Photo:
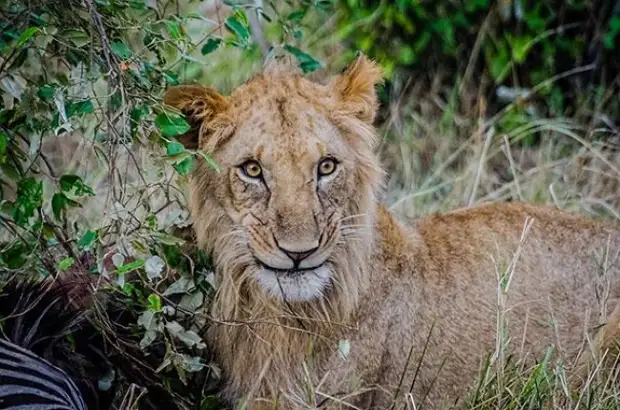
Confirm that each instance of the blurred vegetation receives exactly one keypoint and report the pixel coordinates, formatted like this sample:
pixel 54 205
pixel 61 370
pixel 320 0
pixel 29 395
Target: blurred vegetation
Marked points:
pixel 563 54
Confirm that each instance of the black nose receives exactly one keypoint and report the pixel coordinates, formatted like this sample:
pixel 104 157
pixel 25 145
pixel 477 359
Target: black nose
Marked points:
pixel 297 257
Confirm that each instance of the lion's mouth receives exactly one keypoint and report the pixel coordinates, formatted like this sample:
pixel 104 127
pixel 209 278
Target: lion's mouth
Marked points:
pixel 294 285
pixel 291 271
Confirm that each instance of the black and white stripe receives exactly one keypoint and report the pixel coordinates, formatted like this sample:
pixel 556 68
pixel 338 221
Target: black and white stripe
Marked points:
pixel 28 382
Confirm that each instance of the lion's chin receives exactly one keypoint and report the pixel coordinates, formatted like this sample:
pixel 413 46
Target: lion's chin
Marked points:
pixel 295 286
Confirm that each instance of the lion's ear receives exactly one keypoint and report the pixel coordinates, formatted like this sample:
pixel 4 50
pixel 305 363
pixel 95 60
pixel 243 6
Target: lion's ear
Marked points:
pixel 355 88
pixel 200 105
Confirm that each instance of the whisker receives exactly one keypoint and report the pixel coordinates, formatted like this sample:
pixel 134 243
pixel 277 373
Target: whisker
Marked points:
pixel 353 236
pixel 345 218
pixel 342 227
pixel 233 233
pixel 354 231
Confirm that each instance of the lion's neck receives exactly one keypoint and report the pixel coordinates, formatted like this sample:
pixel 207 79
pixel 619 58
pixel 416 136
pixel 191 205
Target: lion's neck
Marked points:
pixel 255 334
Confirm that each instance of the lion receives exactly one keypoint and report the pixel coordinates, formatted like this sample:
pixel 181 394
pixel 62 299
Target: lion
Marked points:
pixel 325 299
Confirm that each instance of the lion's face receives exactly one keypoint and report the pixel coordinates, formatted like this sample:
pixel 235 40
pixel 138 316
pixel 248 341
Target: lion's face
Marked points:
pixel 294 179
pixel 290 175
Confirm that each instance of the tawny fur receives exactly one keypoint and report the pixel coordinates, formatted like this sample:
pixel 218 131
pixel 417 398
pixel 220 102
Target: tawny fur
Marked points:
pixel 393 281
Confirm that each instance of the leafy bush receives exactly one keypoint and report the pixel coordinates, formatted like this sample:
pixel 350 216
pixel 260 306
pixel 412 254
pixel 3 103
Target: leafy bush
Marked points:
pixel 92 175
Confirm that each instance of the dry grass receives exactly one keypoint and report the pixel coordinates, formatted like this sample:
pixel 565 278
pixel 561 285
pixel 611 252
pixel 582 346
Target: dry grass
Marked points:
pixel 439 159
pixel 442 155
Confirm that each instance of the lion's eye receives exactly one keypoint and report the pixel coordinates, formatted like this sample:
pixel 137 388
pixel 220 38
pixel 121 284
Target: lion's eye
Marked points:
pixel 252 169
pixel 327 166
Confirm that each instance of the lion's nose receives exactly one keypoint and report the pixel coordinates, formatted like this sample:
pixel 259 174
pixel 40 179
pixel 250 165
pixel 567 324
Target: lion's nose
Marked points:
pixel 297 257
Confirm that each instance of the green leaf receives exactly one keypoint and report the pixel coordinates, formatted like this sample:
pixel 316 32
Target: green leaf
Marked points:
pixel 6 116
pixel 473 5
pixel 174 29
pixel 171 78
pixel 87 240
pixel 137 264
pixel 15 256
pixel 296 16
pixel 171 124
pixel 155 304
pixel 29 198
pixel 4 144
pixel 121 50
pixel 46 92
pixel 174 148
pixel 210 402
pixel 136 115
pixel 209 160
pixel 25 36
pixel 184 167
pixel 137 4
pixel 65 264
pixel 79 108
pixel 306 62
pixel 183 161
pixel 58 204
pixel 6 207
pixel 166 239
pixel 406 55
pixel 520 47
pixel 422 42
pixel 239 29
pixel 48 231
pixel 70 182
pixel 612 32
pixel 189 337
pixel 210 46
pixel 192 302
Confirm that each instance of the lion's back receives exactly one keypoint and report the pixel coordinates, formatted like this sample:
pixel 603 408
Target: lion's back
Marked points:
pixel 543 274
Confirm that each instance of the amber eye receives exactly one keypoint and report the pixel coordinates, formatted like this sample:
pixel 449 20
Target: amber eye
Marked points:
pixel 252 169
pixel 327 166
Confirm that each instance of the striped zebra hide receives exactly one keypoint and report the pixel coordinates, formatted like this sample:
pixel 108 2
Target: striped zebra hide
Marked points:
pixel 56 354
pixel 27 381
pixel 50 354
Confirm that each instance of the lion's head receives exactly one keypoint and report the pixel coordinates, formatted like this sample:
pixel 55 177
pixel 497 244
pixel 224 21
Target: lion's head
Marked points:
pixel 289 213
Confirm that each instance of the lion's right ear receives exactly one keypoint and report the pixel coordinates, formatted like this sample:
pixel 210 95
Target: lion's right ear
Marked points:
pixel 200 105
pixel 355 89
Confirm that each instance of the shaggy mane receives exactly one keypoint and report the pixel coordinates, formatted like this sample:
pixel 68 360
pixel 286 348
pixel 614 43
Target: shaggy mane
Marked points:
pixel 253 333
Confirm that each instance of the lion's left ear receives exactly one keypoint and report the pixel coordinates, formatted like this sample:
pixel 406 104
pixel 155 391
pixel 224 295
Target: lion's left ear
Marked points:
pixel 355 89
